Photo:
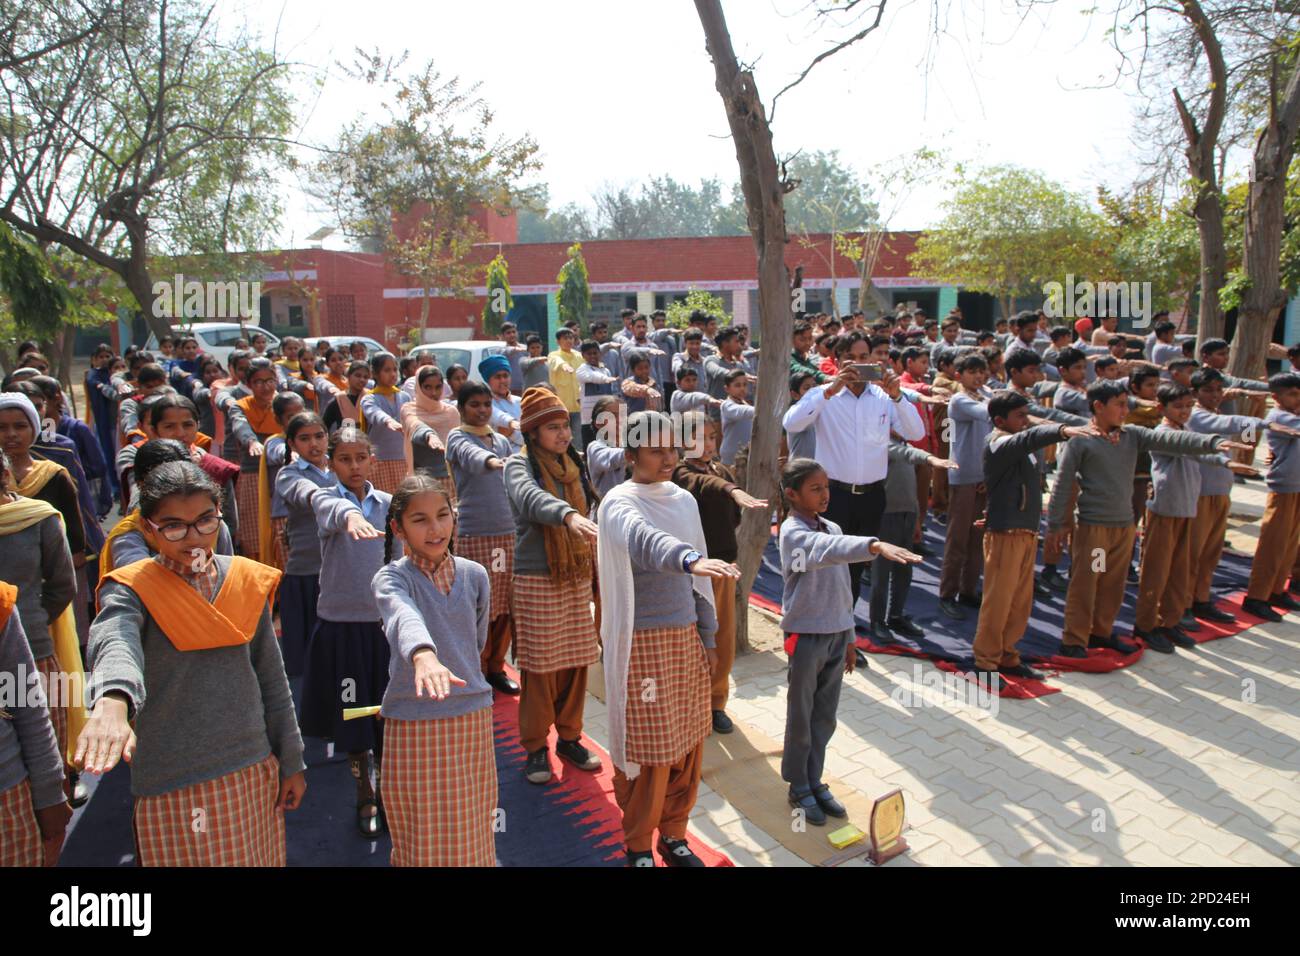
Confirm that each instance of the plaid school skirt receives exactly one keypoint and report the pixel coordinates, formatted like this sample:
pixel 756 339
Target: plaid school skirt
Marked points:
pixel 554 630
pixel 246 503
pixel 440 790
pixel 49 668
pixel 496 553
pixel 229 821
pixel 20 837
pixel 387 475
pixel 668 695
pixel 279 549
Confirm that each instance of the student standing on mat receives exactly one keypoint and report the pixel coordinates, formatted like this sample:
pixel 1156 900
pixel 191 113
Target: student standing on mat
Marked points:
pixel 184 652
pixel 817 618
pixel 1102 544
pixel 295 485
pixel 1279 533
pixel 285 406
pixel 963 562
pixel 713 486
pixel 381 409
pixel 347 657
pixel 440 778
pixel 485 532
pixel 252 421
pixel 657 626
pixel 428 422
pixel 555 636
pixel 345 406
pixel 606 463
pixel 34 812
pixel 1015 506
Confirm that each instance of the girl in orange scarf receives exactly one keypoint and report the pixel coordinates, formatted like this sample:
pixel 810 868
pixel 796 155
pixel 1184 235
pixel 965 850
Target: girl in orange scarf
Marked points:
pixel 252 421
pixel 427 421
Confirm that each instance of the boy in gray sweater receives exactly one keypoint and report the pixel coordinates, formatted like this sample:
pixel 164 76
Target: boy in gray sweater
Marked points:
pixel 817 617
pixel 1102 544
pixel 1279 533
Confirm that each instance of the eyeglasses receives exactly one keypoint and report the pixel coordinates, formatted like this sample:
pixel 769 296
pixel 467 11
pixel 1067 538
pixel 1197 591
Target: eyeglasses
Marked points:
pixel 179 530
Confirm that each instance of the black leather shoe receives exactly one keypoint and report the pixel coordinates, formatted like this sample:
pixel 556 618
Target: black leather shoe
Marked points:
pixel 812 810
pixel 906 626
pixel 1189 623
pixel 1282 599
pixel 1112 642
pixel 538 767
pixel 575 753
pixel 1073 650
pixel 1157 640
pixel 1294 586
pixel 1180 637
pixel 368 822
pixel 79 795
pixel 677 853
pixel 1041 590
pixel 922 550
pixel 1055 580
pixel 503 683
pixel 970 600
pixel 860 660
pixel 881 634
pixel 991 680
pixel 1260 609
pixel 1022 670
pixel 950 608
pixel 826 800
pixel 1132 575
pixel 1208 612
pixel 640 858
pixel 722 723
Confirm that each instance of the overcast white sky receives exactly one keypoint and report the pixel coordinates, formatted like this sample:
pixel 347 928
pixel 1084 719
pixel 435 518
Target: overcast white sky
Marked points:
pixel 620 90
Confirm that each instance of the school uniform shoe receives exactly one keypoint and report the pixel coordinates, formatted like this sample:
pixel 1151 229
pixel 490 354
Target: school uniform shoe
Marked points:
pixel 1022 670
pixel 990 680
pixel 538 767
pixel 1133 577
pixel 1294 586
pixel 1282 599
pixel 1113 642
pixel 677 853
pixel 906 626
pixel 1179 636
pixel 881 634
pixel 1073 650
pixel 1188 622
pixel 812 810
pixel 860 660
pixel 1055 580
pixel 971 600
pixel 1208 612
pixel 640 858
pixel 575 753
pixel 80 795
pixel 950 608
pixel 1156 640
pixel 722 723
pixel 826 800
pixel 1260 609
pixel 1041 590
pixel 922 550
pixel 503 683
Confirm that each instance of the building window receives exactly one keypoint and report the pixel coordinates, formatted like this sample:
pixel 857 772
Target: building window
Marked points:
pixel 629 301
pixel 295 316
pixel 661 301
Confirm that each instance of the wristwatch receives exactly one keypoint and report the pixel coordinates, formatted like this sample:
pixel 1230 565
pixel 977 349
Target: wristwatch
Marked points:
pixel 689 559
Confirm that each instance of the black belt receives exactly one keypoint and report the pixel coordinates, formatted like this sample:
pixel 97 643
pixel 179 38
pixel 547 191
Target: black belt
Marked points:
pixel 854 489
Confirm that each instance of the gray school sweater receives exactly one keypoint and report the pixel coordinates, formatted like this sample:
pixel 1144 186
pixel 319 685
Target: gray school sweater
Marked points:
pixel 533 507
pixel 802 444
pixel 816 596
pixel 294 485
pixel 1011 475
pixel 663 593
pixel 900 478
pixel 416 614
pixel 482 507
pixel 28 750
pixel 205 713
pixel 970 432
pixel 1215 478
pixel 737 429
pixel 379 410
pixel 1072 400
pixel 1176 479
pixel 1284 473
pixel 38 563
pixel 607 465
pixel 1105 472
pixel 682 402
pixel 346 565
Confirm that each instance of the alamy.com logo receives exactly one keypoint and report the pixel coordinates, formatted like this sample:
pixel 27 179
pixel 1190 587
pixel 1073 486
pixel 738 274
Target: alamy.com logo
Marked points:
pixel 1085 299
pixel 179 297
pixel 75 909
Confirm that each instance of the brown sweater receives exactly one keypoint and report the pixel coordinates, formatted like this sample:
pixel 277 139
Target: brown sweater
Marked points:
pixel 719 513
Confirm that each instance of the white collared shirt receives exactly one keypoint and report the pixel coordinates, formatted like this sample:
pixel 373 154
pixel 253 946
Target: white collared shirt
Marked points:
pixel 853 431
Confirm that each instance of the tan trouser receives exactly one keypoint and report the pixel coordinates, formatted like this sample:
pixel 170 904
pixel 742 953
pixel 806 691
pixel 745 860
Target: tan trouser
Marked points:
pixel 963 555
pixel 939 476
pixel 659 797
pixel 924 478
pixel 1099 563
pixel 1165 577
pixel 1052 554
pixel 1008 597
pixel 724 598
pixel 493 657
pixel 1208 529
pixel 1279 536
pixel 555 698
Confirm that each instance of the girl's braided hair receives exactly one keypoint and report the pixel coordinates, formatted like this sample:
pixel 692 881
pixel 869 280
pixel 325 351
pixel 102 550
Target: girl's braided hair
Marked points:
pixel 418 483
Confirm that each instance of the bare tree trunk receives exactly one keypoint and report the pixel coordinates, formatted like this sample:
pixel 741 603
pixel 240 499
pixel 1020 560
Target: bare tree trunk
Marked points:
pixel 1214 264
pixel 764 190
pixel 1264 299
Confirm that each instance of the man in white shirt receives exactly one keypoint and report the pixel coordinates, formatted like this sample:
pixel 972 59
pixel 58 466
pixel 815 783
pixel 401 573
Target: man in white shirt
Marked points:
pixel 852 420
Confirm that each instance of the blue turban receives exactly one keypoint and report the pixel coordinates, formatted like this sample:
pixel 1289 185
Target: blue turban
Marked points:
pixel 492 365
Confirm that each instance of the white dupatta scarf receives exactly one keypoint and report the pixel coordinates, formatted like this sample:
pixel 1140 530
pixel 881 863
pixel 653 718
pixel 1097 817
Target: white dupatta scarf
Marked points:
pixel 665 507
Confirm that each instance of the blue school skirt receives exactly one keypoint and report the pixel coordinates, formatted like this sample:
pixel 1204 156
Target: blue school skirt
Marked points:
pixel 347 666
pixel 298 594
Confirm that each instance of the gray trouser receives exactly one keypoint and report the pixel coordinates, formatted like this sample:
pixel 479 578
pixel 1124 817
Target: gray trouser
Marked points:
pixel 575 425
pixel 890 581
pixel 816 675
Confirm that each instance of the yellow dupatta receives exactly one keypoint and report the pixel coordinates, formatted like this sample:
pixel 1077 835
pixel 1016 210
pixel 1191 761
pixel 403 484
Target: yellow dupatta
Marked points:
pixel 128 524
pixel 39 476
pixel 265 544
pixel 19 516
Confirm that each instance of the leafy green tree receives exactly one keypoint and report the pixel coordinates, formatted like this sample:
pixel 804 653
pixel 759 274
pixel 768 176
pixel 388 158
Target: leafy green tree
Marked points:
pixel 574 295
pixel 498 302
pixel 679 313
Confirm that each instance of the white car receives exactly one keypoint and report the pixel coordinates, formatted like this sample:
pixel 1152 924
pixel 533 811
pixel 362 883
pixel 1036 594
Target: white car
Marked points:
pixel 343 341
pixel 216 339
pixel 467 353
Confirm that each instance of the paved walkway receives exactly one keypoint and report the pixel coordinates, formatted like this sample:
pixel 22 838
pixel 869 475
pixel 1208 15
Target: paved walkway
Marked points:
pixel 1189 759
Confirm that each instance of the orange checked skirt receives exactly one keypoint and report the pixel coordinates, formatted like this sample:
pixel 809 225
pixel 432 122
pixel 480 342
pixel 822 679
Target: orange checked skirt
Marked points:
pixel 496 553
pixel 440 790
pixel 48 667
pixel 387 475
pixel 246 502
pixel 668 695
pixel 20 837
pixel 554 630
pixel 229 821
